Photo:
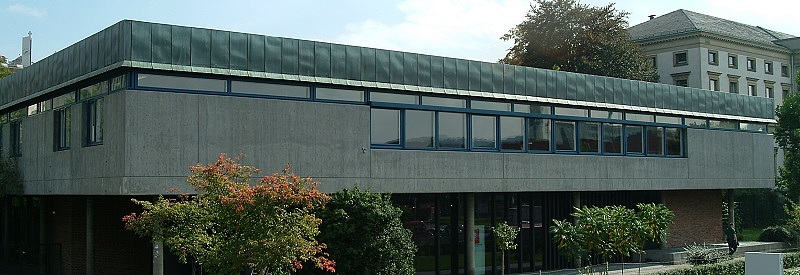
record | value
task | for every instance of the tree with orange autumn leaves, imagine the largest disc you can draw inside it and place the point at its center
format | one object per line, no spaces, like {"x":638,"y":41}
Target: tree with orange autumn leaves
{"x":231,"y":226}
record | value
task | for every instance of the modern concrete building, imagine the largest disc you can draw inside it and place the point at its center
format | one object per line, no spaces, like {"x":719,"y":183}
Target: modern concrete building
{"x":461,"y":144}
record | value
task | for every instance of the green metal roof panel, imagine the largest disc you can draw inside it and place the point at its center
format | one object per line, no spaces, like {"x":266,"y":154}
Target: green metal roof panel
{"x":177,"y":48}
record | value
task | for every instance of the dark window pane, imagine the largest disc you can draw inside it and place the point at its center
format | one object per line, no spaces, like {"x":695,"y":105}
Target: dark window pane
{"x":94,"y":122}
{"x":723,"y":124}
{"x":119,"y":82}
{"x":564,"y":111}
{"x":94,"y":90}
{"x":64,"y":99}
{"x":419,"y":129}
{"x":612,"y":138}
{"x":541,"y":109}
{"x":490,"y":105}
{"x":181,"y":83}
{"x":539,"y":134}
{"x":340,"y":94}
{"x":484,"y":132}
{"x":512,"y":133}
{"x":393,"y":98}
{"x":270,"y":89}
{"x":63,"y":125}
{"x":696,"y":122}
{"x":385,"y":127}
{"x":674,"y":144}
{"x":589,"y":137}
{"x":655,"y":140}
{"x":444,"y":102}
{"x":565,"y":135}
{"x":639,"y":117}
{"x":452,"y":130}
{"x":634,"y":139}
{"x":606,"y":114}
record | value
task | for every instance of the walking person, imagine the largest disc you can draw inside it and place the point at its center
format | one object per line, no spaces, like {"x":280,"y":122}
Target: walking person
{"x":731,"y":239}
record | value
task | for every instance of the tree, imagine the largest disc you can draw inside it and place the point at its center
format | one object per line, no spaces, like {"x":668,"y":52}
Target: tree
{"x":611,"y":230}
{"x":505,"y":235}
{"x":787,"y":134}
{"x":232,"y":226}
{"x":4,"y":70}
{"x":10,"y":177}
{"x":365,"y":235}
{"x":570,"y":36}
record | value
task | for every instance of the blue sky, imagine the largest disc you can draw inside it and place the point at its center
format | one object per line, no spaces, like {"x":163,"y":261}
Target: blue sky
{"x":455,"y":28}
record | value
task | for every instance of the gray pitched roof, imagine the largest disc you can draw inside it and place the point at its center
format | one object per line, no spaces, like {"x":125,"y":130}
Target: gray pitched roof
{"x":684,"y":21}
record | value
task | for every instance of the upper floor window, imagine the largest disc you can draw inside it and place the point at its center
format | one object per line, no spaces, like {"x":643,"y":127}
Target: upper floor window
{"x":751,"y":64}
{"x":784,"y":70}
{"x":767,"y":67}
{"x":680,"y":58}
{"x":713,"y":57}
{"x":733,"y":87}
{"x":63,"y":124}
{"x":751,"y":90}
{"x":16,"y":139}
{"x":93,"y":121}
{"x":770,"y":92}
{"x":733,"y":61}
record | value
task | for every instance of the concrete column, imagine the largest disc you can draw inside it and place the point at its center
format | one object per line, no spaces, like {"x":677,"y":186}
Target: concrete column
{"x":89,"y":236}
{"x":158,"y":258}
{"x":663,"y":200}
{"x":731,"y":208}
{"x":469,"y":227}
{"x":576,"y":202}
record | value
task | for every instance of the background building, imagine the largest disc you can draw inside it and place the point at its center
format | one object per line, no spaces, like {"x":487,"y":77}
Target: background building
{"x":461,"y":144}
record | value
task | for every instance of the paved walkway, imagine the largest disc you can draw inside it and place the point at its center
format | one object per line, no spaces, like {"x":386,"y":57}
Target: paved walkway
{"x":617,"y":269}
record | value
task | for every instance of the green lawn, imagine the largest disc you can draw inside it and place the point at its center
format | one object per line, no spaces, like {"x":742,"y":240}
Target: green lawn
{"x":749,"y":234}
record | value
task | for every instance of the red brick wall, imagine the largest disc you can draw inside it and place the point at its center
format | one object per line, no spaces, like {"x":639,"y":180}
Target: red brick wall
{"x":698,"y":217}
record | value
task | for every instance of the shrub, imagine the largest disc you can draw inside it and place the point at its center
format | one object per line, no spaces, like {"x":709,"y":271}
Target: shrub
{"x":778,"y":234}
{"x":703,"y":254}
{"x":735,"y":266}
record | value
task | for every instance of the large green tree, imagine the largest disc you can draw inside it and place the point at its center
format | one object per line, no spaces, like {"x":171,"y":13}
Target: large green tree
{"x":231,"y":226}
{"x":570,"y":36}
{"x":4,"y":71}
{"x":787,"y":134}
{"x":365,"y":235}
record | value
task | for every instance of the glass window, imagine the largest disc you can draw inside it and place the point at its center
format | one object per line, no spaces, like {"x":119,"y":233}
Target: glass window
{"x":770,"y":92}
{"x":696,"y":122}
{"x":18,"y":114}
{"x":639,"y":117}
{"x":733,"y":87}
{"x":612,"y":138}
{"x":444,"y":102}
{"x":749,"y":126}
{"x":512,"y":133}
{"x":712,"y":57}
{"x":723,"y":124}
{"x":541,"y":109}
{"x":674,"y":145}
{"x":393,"y":98}
{"x":94,"y":122}
{"x":565,"y":135}
{"x":182,"y":83}
{"x":339,"y":94}
{"x":733,"y":61}
{"x":4,"y":118}
{"x":484,"y":133}
{"x":490,"y":105}
{"x":419,"y":129}
{"x":606,"y":114}
{"x":668,"y":119}
{"x":270,"y":89}
{"x":563,"y":111}
{"x":64,"y":100}
{"x":713,"y":84}
{"x":680,"y":58}
{"x":522,"y":108}
{"x":119,"y":82}
{"x":452,"y":130}
{"x":94,"y":90}
{"x":385,"y":127}
{"x":16,"y":139}
{"x":767,"y":67}
{"x":655,"y":140}
{"x":751,"y":64}
{"x":751,"y":90}
{"x":539,"y":134}
{"x":589,"y":134}
{"x":635,"y":139}
{"x":63,"y":126}
{"x":784,"y":70}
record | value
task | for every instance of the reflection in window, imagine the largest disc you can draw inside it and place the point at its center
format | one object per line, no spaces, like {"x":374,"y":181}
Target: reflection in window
{"x":483,"y":132}
{"x":63,"y":125}
{"x":696,"y":122}
{"x":612,"y":138}
{"x":94,"y":90}
{"x":419,"y":129}
{"x":589,"y":137}
{"x":539,"y":134}
{"x":634,"y":138}
{"x":490,"y":105}
{"x":393,"y":98}
{"x":565,"y":135}
{"x":452,"y":130}
{"x":339,"y":94}
{"x":512,"y":133}
{"x":270,"y":89}
{"x":94,"y":122}
{"x":674,"y":137}
{"x":723,"y":124}
{"x":385,"y":127}
{"x":655,"y":140}
{"x":444,"y":102}
{"x":182,"y":83}
{"x":564,"y":111}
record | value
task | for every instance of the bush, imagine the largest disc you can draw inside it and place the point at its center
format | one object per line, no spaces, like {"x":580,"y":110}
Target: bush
{"x":703,"y":254}
{"x":778,"y":234}
{"x":735,"y":266}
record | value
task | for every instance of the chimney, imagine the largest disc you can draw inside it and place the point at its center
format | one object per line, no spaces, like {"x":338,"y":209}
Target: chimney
{"x":652,"y":16}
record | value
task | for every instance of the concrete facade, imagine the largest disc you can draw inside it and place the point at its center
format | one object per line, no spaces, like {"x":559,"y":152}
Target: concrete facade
{"x":152,"y":134}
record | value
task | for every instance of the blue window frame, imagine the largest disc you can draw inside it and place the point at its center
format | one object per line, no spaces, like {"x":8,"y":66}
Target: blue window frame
{"x":63,"y":124}
{"x":512,"y":133}
{"x":93,"y":122}
{"x":634,"y":139}
{"x":539,"y":134}
{"x":612,"y":138}
{"x":564,"y":133}
{"x":419,"y":129}
{"x":589,"y":133}
{"x":452,"y":130}
{"x":484,"y":132}
{"x":385,"y":127}
{"x":655,"y":140}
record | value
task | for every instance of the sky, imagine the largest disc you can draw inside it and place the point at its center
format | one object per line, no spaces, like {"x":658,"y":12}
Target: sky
{"x":469,"y":29}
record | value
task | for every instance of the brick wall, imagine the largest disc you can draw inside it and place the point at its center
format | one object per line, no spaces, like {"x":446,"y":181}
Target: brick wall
{"x":698,"y":217}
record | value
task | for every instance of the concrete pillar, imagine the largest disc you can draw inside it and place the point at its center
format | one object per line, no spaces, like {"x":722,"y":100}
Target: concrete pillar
{"x":89,"y":236}
{"x":469,"y":227}
{"x":576,"y":202}
{"x":731,"y":208}
{"x":663,"y":200}
{"x":158,"y":258}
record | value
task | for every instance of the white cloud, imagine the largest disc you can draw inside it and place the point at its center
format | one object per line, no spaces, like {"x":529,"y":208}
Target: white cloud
{"x":455,"y":28}
{"x":22,"y":9}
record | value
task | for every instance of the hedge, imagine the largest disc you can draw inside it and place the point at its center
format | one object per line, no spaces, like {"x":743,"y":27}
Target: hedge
{"x":735,"y":266}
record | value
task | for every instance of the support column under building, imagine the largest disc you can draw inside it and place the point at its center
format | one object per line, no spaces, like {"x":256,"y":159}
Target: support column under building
{"x":89,"y":236}
{"x":469,"y":228}
{"x":158,"y":258}
{"x":731,"y":209}
{"x":576,"y":203}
